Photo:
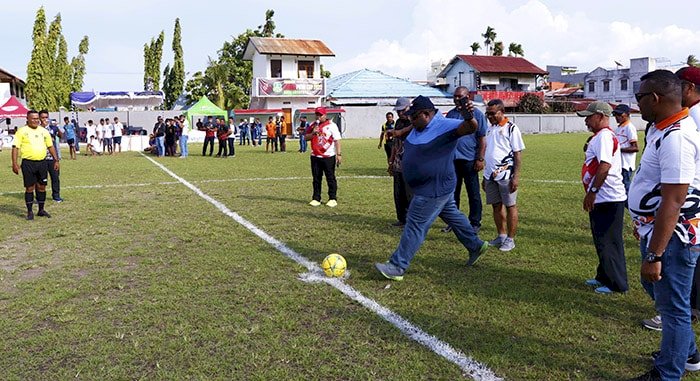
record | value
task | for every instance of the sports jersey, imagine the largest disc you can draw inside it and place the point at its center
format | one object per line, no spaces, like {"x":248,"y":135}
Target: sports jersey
{"x":323,"y":144}
{"x":118,"y":129}
{"x":385,"y":127}
{"x":502,"y":141}
{"x":32,"y":142}
{"x":108,"y":131}
{"x":604,"y":147}
{"x":626,"y":134}
{"x":672,"y":156}
{"x":270,"y":127}
{"x":70,"y":131}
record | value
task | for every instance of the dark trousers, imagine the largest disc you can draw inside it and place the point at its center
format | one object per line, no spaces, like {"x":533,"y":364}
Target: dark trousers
{"x":55,"y":180}
{"x":606,"y":225}
{"x":387,"y":148}
{"x":231,"y":147}
{"x":275,"y":140}
{"x":223,"y":150}
{"x":402,"y":197}
{"x":283,"y":143}
{"x":466,"y":173}
{"x":324,"y":166}
{"x":208,"y":141}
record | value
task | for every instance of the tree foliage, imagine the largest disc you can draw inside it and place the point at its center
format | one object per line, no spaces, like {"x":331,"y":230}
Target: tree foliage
{"x":152,"y":55}
{"x":692,"y":61}
{"x":78,"y":65}
{"x":489,"y":37}
{"x":228,"y":78}
{"x":325,"y":73}
{"x":498,"y":48}
{"x":515,"y":50}
{"x":474,"y":47}
{"x":36,"y":90}
{"x":175,"y":77}
{"x":531,"y":104}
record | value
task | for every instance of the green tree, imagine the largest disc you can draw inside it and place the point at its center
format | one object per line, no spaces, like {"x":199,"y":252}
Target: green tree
{"x":325,"y":73}
{"x":498,"y":48}
{"x":531,"y":104}
{"x":176,"y":75}
{"x":152,"y":55}
{"x":489,"y":37}
{"x":474,"y":47}
{"x":62,"y":76}
{"x":515,"y":49}
{"x":692,"y":61}
{"x":78,"y":65}
{"x":37,"y":94}
{"x":195,"y":87}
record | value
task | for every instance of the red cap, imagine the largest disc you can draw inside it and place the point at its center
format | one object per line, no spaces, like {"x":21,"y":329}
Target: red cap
{"x":320,"y":110}
{"x":690,"y":74}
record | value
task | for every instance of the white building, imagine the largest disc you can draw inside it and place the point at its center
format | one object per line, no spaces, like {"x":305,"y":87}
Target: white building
{"x":11,"y":85}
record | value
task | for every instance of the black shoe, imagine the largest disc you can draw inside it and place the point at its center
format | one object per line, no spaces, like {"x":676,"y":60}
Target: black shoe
{"x":30,"y":216}
{"x":43,"y":213}
{"x":692,"y":364}
{"x":652,"y":375}
{"x":398,"y":224}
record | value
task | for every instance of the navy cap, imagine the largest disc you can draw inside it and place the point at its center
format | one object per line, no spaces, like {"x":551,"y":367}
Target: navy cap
{"x":621,"y":109}
{"x":420,"y":103}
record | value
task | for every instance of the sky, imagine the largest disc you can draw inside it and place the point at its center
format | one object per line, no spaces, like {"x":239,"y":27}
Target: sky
{"x":399,"y":38}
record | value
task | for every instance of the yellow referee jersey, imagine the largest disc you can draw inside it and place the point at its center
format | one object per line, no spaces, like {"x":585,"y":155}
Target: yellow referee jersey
{"x":32,"y":142}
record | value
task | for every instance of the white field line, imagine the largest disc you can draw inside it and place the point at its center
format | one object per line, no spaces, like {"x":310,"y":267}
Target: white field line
{"x":474,"y":369}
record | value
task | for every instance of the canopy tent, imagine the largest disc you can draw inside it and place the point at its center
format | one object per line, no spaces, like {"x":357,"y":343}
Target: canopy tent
{"x":13,"y":108}
{"x":205,"y":107}
{"x":122,"y":100}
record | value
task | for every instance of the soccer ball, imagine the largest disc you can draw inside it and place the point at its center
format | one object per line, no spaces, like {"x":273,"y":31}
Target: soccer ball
{"x":334,"y":265}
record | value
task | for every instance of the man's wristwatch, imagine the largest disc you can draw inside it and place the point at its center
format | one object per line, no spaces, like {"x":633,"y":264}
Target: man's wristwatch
{"x":594,"y":189}
{"x":652,"y":257}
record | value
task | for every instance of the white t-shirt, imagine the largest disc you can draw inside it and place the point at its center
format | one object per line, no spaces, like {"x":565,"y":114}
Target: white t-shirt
{"x":118,"y":129}
{"x":695,"y":114}
{"x":502,"y":141}
{"x":91,"y":131}
{"x":627,"y":134}
{"x":671,"y":156}
{"x":323,"y":144}
{"x":185,"y":128}
{"x":100,"y":131}
{"x":95,"y":145}
{"x":604,"y":147}
{"x":108,"y":131}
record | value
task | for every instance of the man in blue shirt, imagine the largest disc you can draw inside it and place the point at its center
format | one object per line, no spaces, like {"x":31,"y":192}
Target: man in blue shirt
{"x":430,"y":173}
{"x":69,"y":130}
{"x":469,"y":160}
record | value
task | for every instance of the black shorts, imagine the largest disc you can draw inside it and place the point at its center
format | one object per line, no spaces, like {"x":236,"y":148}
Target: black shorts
{"x":117,"y":140}
{"x":34,"y":171}
{"x":70,"y":141}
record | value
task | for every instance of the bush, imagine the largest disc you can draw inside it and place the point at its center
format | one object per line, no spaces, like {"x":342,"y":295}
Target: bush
{"x":561,"y":106}
{"x":531,"y":104}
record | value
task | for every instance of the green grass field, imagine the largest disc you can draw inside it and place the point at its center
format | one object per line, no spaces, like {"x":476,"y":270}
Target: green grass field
{"x":137,"y":277}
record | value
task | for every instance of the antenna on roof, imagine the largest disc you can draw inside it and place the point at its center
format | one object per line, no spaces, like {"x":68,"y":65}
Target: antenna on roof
{"x":618,"y":64}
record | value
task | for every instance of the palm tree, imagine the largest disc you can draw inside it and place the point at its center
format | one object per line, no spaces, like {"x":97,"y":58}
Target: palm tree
{"x":475,"y":46}
{"x":498,"y":48}
{"x":515,"y":49}
{"x":692,"y":61}
{"x":489,"y":36}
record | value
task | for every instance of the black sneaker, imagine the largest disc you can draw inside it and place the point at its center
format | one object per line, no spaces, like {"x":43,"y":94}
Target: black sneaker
{"x":398,"y":224}
{"x":652,"y":375}
{"x":43,"y":213}
{"x":692,"y":364}
{"x":30,"y":216}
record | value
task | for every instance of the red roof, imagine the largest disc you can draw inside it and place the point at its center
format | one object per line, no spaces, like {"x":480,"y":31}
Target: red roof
{"x":501,"y":64}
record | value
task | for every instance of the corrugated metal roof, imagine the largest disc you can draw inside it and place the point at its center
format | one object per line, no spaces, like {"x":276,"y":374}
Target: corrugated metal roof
{"x":288,"y":46}
{"x":501,"y":64}
{"x":367,"y":83}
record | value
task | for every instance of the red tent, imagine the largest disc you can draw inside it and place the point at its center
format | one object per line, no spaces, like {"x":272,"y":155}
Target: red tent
{"x":13,"y":109}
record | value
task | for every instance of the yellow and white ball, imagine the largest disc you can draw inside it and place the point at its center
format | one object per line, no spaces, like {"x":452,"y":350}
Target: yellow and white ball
{"x":334,"y":265}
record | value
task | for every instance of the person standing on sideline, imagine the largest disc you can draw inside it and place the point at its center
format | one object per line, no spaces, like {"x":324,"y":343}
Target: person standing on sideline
{"x":605,"y":199}
{"x":503,"y":155}
{"x":233,"y":130}
{"x":469,"y":160}
{"x":159,"y":133}
{"x":690,"y":98}
{"x":71,"y":138}
{"x":402,"y":193}
{"x":270,"y":141}
{"x":107,"y":136}
{"x":664,"y":202}
{"x":32,"y":142}
{"x":258,"y":131}
{"x":325,"y":156}
{"x":54,"y":174}
{"x":118,"y":133}
{"x":626,"y":134}
{"x":301,"y":130}
{"x":242,"y":127}
{"x":282,"y":134}
{"x":383,"y":136}
{"x":428,"y":170}
{"x":184,"y":136}
{"x":222,"y":134}
{"x":209,"y":136}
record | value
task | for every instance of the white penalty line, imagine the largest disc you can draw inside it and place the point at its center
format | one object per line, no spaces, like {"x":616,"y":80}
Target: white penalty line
{"x":473,"y":368}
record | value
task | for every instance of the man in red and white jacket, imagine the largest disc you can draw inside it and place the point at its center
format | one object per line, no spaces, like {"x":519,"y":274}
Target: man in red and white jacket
{"x":324,"y":136}
{"x":605,"y":199}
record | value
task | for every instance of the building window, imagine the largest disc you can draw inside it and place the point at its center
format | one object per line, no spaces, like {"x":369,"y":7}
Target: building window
{"x":276,"y":68}
{"x":623,"y":85}
{"x":606,"y":86}
{"x":591,"y":86}
{"x":306,"y":69}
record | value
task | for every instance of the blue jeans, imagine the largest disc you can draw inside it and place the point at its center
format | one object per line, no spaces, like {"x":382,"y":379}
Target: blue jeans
{"x":160,"y":144}
{"x":627,"y":179}
{"x":672,"y":296}
{"x":421,"y":213}
{"x":184,"y":150}
{"x":302,"y":143}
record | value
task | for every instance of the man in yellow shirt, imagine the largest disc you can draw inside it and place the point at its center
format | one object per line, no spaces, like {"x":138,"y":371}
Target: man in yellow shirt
{"x":33,"y":142}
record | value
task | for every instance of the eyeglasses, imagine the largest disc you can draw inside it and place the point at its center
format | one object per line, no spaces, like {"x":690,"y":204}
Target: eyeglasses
{"x":639,"y":96}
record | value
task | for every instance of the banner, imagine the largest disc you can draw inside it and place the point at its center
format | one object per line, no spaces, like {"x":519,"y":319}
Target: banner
{"x":285,"y":87}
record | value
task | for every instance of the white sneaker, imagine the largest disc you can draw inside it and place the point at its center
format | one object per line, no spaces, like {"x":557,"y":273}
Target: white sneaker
{"x":315,"y":203}
{"x":507,"y":245}
{"x":331,"y":203}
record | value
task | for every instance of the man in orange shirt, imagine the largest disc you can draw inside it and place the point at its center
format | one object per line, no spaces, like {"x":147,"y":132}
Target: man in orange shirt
{"x":270,"y":127}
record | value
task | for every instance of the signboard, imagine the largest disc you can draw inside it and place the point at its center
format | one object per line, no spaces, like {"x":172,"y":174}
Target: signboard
{"x":288,"y":87}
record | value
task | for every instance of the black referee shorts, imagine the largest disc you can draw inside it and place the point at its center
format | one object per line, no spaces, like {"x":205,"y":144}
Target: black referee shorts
{"x":34,"y":171}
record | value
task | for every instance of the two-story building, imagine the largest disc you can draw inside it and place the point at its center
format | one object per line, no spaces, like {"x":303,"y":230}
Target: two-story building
{"x":489,"y":77}
{"x":11,"y":85}
{"x":286,"y":75}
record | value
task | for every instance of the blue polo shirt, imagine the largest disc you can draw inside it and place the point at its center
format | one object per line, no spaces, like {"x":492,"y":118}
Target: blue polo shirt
{"x":468,"y":145}
{"x":428,"y":155}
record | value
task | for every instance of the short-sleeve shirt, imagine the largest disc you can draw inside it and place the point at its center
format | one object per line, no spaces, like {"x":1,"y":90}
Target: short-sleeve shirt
{"x":323,"y":144}
{"x":468,"y":145}
{"x":604,"y":147}
{"x":626,"y":135}
{"x":32,"y":142}
{"x":672,"y":156}
{"x":270,"y":127}
{"x":385,"y":127}
{"x":118,"y":129}
{"x":502,"y":141}
{"x":694,"y":111}
{"x":108,"y":131}
{"x":70,"y":131}
{"x":428,"y":157}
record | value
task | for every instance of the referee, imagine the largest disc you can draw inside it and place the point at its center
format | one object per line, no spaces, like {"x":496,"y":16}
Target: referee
{"x":33,"y":142}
